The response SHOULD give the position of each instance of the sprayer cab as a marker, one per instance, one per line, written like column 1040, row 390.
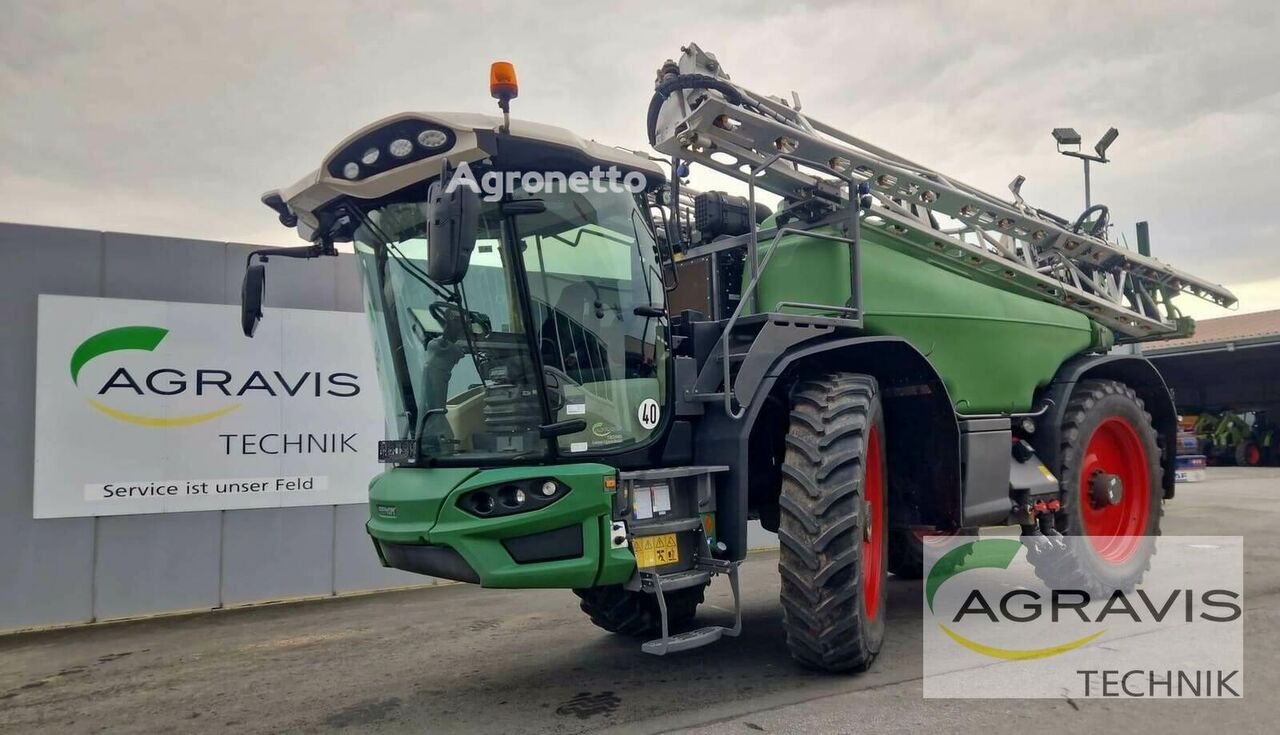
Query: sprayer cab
column 511, row 276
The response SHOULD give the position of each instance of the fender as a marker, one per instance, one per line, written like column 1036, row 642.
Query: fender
column 923, row 437
column 1135, row 371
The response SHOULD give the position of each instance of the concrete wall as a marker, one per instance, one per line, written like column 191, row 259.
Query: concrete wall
column 84, row 569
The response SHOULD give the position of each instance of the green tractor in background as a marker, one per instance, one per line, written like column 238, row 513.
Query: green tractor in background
column 594, row 379
column 1242, row 439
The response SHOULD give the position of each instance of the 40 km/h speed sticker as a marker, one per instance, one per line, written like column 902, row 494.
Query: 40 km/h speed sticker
column 648, row 413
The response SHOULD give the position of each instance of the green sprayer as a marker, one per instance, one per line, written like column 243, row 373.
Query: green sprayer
column 594, row 377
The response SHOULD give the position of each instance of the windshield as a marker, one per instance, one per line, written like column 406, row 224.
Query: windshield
column 543, row 329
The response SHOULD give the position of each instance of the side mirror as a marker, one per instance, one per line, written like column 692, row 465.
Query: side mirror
column 252, row 292
column 452, row 220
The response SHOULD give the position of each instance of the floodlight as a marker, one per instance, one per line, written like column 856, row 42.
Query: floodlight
column 1108, row 138
column 1069, row 137
column 1066, row 136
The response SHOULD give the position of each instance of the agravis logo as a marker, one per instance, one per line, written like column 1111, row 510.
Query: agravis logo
column 168, row 380
column 1019, row 617
column 987, row 554
column 131, row 338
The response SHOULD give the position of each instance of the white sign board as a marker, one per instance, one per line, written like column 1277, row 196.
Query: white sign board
column 158, row 407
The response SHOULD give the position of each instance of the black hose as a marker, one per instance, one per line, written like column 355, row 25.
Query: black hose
column 1099, row 228
column 685, row 81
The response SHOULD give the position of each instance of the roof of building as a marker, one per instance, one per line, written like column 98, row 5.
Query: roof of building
column 1260, row 326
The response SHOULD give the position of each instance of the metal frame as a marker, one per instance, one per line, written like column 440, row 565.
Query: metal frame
column 847, row 215
column 1011, row 243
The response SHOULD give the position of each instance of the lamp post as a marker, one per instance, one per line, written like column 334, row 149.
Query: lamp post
column 1069, row 137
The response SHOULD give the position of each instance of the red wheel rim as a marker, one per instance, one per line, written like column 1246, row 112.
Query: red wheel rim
column 873, row 542
column 1253, row 455
column 1116, row 449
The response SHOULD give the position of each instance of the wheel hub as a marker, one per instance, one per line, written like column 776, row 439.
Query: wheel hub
column 1105, row 489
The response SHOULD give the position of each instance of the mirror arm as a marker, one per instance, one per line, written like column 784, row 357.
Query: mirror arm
column 315, row 250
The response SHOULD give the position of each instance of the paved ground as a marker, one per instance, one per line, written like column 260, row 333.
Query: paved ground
column 458, row 658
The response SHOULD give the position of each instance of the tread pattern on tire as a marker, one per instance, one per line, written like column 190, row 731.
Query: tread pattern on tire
column 635, row 613
column 1072, row 568
column 820, row 529
column 906, row 552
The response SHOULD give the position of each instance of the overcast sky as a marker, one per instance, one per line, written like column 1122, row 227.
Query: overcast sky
column 172, row 118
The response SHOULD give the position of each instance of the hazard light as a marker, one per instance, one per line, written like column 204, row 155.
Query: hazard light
column 502, row 81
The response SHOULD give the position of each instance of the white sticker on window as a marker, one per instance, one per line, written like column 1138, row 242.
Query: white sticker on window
column 642, row 503
column 578, row 447
column 575, row 409
column 661, row 499
column 648, row 413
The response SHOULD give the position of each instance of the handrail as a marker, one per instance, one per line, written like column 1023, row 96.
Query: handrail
column 757, row 269
column 742, row 302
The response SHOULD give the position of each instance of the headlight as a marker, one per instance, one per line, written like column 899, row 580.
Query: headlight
column 512, row 497
column 400, row 147
column 432, row 138
column 396, row 144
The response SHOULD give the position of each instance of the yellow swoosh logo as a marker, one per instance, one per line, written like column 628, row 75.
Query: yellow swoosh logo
column 1013, row 654
column 134, row 418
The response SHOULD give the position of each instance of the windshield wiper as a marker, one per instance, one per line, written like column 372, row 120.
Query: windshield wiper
column 400, row 258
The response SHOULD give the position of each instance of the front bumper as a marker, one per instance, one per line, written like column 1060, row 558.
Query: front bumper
column 417, row 525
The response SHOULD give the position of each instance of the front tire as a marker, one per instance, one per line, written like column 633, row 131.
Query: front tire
column 636, row 613
column 832, row 531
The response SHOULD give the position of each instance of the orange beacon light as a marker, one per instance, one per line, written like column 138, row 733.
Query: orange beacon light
column 502, row 81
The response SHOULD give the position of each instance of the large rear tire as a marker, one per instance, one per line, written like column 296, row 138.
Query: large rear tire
column 1106, row 433
column 1248, row 454
column 832, row 530
column 635, row 613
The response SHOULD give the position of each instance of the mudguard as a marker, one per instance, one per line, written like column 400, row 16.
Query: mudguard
column 1135, row 371
column 902, row 371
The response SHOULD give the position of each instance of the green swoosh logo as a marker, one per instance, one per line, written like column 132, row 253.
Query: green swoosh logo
column 132, row 338
column 994, row 553
column 121, row 338
column 989, row 553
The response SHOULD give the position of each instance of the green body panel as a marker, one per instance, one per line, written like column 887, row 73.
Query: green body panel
column 416, row 495
column 992, row 347
column 419, row 506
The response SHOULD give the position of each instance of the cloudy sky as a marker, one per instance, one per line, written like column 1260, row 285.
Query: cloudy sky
column 172, row 118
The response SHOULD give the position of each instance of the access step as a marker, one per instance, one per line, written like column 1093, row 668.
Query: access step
column 678, row 580
column 684, row 641
column 694, row 638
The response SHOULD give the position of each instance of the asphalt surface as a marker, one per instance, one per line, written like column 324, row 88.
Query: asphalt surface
column 462, row 659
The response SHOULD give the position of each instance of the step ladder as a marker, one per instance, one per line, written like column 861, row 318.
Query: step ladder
column 701, row 115
column 659, row 584
column 691, row 493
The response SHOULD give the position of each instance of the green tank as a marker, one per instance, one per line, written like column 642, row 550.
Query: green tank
column 992, row 347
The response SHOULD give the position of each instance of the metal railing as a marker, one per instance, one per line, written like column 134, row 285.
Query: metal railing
column 758, row 267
